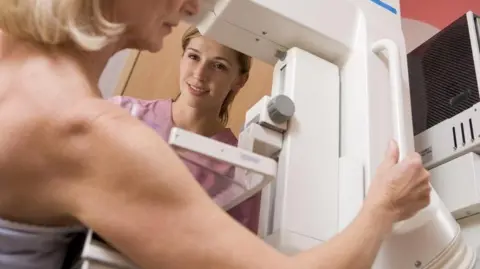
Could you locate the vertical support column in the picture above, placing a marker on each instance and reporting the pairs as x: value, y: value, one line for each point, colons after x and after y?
x: 305, y: 211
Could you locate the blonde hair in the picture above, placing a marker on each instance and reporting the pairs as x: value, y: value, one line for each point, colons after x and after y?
x: 58, y: 22
x: 244, y: 61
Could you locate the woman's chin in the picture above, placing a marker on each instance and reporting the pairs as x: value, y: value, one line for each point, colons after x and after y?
x: 155, y: 47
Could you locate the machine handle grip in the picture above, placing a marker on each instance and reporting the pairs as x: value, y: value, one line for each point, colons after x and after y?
x: 395, y: 73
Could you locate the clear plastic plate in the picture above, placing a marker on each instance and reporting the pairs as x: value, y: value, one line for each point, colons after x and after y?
x: 226, y: 184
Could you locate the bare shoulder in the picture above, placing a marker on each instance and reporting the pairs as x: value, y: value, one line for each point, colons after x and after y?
x: 56, y: 135
x: 68, y: 145
x: 36, y: 163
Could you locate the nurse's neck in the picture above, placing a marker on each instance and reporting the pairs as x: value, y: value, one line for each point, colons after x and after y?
x: 200, y: 121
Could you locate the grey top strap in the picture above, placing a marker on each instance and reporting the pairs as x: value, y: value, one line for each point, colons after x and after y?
x: 33, y: 247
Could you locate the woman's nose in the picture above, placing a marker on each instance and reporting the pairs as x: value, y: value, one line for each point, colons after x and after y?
x: 201, y: 72
x: 191, y: 8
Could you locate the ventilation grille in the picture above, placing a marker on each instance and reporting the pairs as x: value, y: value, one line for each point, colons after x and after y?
x: 442, y: 78
x: 463, y: 134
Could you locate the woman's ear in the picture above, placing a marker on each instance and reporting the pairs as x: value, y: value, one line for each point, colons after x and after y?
x: 240, y: 82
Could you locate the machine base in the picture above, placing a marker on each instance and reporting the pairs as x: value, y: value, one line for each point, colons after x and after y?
x: 456, y: 256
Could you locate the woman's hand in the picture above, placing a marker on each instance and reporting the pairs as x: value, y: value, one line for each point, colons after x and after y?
x: 399, y: 189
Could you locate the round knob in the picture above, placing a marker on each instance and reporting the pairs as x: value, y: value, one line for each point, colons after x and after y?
x: 280, y: 109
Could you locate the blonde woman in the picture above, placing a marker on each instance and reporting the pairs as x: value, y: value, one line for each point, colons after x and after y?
x: 69, y: 158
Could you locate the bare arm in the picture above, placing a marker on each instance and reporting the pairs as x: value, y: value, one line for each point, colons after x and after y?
x: 355, y: 247
x: 146, y: 203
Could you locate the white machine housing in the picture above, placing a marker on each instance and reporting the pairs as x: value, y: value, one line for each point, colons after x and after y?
x: 344, y: 88
x: 457, y: 135
x: 445, y: 103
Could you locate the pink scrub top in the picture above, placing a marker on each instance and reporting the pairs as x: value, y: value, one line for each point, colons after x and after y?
x: 158, y: 115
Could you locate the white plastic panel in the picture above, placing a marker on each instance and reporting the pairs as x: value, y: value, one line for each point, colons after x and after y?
x: 350, y: 191
x: 471, y: 232
x: 438, y: 145
x: 278, y: 26
x: 306, y: 200
x: 224, y: 152
x: 239, y: 38
x: 458, y: 185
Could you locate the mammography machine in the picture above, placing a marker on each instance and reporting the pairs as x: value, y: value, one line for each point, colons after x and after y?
x: 340, y: 93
